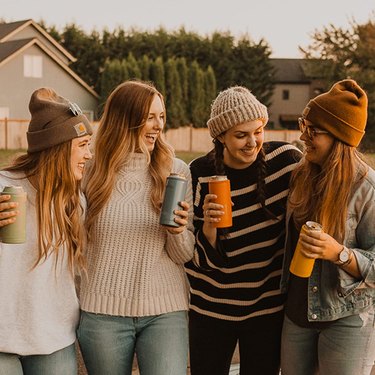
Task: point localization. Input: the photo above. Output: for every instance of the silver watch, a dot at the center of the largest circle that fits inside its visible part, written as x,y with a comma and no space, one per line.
345,256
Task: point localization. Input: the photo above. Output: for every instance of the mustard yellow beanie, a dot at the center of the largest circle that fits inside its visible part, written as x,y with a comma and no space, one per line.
342,111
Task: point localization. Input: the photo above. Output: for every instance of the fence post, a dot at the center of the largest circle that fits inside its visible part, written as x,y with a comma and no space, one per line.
191,138
6,132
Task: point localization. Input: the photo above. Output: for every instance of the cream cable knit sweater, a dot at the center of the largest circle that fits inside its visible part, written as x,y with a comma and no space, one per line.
135,267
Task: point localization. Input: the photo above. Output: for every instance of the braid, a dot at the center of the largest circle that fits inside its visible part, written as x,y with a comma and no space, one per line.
219,158
261,183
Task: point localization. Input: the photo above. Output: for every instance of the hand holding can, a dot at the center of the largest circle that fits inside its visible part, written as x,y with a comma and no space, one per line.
15,232
302,266
175,191
220,186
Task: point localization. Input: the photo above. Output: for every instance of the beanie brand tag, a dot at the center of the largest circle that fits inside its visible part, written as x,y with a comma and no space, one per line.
80,129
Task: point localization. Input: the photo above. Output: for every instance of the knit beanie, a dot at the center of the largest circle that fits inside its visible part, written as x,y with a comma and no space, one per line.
234,106
342,111
54,120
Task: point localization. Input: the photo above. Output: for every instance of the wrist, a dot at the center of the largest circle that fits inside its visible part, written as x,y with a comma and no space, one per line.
345,257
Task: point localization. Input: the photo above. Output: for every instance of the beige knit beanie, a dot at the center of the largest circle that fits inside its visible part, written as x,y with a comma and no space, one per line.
342,111
234,106
54,120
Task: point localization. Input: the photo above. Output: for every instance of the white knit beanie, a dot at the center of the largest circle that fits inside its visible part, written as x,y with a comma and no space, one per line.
234,106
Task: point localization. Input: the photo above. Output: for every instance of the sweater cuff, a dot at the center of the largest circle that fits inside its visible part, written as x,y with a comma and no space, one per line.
180,247
216,256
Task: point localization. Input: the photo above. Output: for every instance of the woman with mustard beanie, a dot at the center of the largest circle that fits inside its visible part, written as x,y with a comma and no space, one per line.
329,321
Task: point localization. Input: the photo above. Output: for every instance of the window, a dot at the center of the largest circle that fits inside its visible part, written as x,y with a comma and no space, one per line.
285,94
32,66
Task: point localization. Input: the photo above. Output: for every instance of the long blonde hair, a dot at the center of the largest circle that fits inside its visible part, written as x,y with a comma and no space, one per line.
58,207
322,193
118,137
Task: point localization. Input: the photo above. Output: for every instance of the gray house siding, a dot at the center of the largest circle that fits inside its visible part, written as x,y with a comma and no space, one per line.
16,96
299,95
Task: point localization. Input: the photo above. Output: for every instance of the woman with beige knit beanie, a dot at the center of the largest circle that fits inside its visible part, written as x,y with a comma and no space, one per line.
39,309
329,326
235,273
135,298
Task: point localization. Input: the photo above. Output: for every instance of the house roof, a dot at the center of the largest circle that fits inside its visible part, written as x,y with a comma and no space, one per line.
9,50
289,71
8,30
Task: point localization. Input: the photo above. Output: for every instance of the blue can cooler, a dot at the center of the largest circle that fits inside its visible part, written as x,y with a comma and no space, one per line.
175,192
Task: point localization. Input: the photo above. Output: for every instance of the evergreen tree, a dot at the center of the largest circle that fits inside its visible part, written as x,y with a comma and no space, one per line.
114,73
210,91
134,71
196,95
183,73
173,95
157,74
144,66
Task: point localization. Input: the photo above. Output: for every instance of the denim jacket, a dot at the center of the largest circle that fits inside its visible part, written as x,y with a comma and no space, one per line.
332,292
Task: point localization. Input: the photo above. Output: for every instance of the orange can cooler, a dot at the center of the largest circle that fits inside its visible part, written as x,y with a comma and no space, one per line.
220,186
300,265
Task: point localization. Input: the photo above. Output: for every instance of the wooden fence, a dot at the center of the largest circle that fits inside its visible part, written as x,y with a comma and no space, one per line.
186,138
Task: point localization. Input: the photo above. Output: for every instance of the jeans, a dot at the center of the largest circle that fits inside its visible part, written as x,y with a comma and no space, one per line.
61,362
108,343
213,341
346,347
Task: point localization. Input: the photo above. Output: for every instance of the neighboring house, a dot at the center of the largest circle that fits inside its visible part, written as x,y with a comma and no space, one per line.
292,90
29,59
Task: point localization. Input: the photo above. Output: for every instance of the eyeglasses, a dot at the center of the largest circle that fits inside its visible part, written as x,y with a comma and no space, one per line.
310,130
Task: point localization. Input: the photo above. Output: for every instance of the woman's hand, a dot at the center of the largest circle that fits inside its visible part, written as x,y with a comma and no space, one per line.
181,218
320,245
7,217
211,214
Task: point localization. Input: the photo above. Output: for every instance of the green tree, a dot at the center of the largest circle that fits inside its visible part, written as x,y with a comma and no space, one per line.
253,68
209,86
114,73
134,71
183,73
196,95
144,65
173,95
157,74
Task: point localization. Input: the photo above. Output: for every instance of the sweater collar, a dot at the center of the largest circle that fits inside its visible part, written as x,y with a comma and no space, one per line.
137,161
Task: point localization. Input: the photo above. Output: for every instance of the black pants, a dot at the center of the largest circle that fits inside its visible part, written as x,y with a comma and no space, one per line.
213,341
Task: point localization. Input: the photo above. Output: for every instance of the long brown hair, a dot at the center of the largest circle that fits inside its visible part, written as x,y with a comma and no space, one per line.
322,193
58,207
118,137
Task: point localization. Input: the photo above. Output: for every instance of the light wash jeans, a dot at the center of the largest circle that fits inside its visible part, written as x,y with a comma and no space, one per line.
347,347
108,343
61,362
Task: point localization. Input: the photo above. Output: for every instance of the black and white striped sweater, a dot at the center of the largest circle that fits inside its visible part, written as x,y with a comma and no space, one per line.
242,280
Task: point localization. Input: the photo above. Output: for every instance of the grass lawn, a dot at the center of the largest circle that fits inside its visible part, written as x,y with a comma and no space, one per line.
7,155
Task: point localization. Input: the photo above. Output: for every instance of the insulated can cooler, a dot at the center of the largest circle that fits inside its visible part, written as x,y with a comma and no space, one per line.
300,265
175,191
220,186
15,233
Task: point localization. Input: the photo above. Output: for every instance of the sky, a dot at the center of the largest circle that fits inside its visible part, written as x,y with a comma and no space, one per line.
283,24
